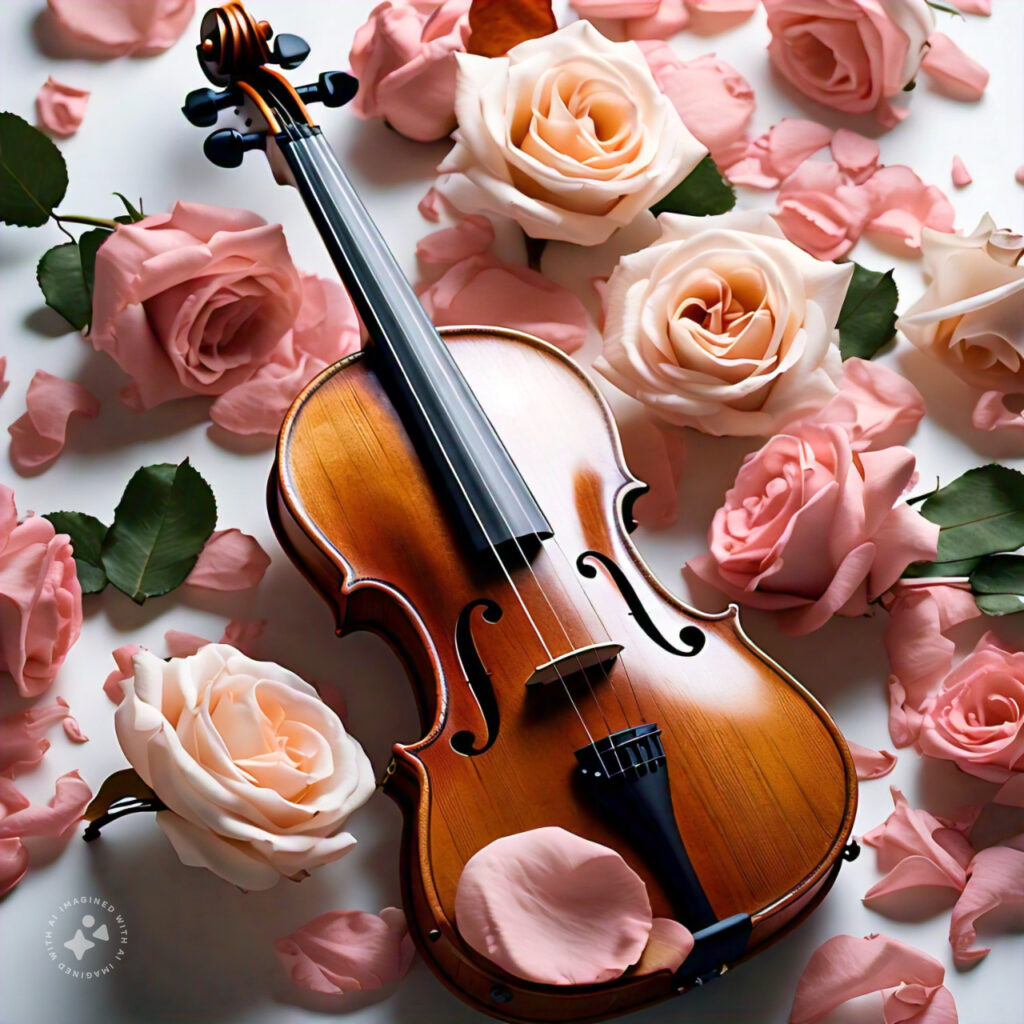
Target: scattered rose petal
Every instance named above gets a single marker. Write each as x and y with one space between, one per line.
4 382
668 946
871 763
917 849
114 28
123 657
346 951
779 152
1019 175
72 729
818 211
716 15
243 635
901 204
13 863
20 818
856 155
655 454
982 7
431 205
60 108
960 175
845 967
483 290
669 17
230 560
991 413
552 907
995 878
22 742
183 645
38 436
472 236
952 71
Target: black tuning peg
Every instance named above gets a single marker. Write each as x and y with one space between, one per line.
289 51
332 89
202 106
227 147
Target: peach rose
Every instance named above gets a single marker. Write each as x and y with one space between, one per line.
725 326
404 58
854 55
257 773
971 316
40 598
814 527
192 301
977 718
569 135
114 28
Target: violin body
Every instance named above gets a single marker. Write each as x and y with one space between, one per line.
762 786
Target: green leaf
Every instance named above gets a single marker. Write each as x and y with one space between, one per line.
88 245
60 277
702 193
33 175
164 518
867 320
979 513
921 570
945 7
86 533
134 215
998 584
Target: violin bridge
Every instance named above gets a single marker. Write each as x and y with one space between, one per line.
568 665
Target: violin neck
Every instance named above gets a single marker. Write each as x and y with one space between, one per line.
455 439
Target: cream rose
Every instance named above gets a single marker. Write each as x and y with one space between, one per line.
257 773
569 135
971 316
724 325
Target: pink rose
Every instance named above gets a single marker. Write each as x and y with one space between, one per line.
40 598
404 59
113 28
193 301
977 718
854 55
813 527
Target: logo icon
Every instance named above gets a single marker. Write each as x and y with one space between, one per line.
86 937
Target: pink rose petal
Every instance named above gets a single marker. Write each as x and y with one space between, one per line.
982 7
243 635
1019 175
112 28
60 108
960 175
22 742
870 763
780 151
819 212
996 878
900 204
348 951
991 413
654 454
38 436
431 205
230 560
13 863
668 946
123 657
845 967
856 154
4 382
671 17
483 290
952 71
552 907
472 236
72 729
19 818
183 645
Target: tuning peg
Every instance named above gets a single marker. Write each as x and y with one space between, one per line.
227 147
332 89
289 51
202 106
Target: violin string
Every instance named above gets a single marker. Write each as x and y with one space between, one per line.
322 142
311 171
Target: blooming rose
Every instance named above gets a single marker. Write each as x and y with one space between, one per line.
40 598
404 59
977 718
971 316
113 28
853 55
569 135
257 773
723 325
192 301
815 527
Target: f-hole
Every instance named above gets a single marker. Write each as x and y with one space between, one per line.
692 637
477 678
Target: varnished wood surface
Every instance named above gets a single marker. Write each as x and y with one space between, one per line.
763 787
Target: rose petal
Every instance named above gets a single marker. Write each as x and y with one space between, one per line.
982 7
901 205
13 863
230 560
654 454
4 382
112 685
960 175
183 645
60 108
431 205
1019 175
472 236
348 951
552 907
991 413
112 28
845 967
780 151
952 71
668 946
21 737
995 878
56 819
38 436
856 154
871 763
819 212
72 729
243 635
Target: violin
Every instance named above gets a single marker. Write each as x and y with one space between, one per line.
463 494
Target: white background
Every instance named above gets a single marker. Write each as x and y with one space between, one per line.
201 951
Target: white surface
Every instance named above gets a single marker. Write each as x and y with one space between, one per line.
198 949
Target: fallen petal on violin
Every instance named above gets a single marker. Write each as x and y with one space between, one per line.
348 951
668 946
549 906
